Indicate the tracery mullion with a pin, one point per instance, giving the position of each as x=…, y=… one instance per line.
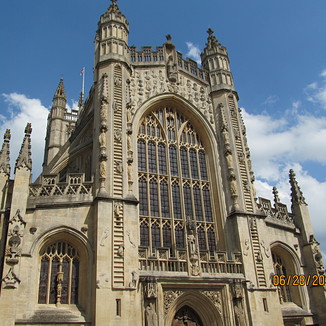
x=49, y=281
x=70, y=280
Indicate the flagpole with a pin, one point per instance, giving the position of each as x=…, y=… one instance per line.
x=83, y=82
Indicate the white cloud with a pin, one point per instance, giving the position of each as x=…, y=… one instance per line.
x=271, y=100
x=276, y=141
x=22, y=110
x=193, y=52
x=323, y=73
x=316, y=92
x=276, y=147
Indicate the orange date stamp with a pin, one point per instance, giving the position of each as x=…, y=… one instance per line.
x=298, y=280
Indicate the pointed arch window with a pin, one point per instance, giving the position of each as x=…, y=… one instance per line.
x=59, y=274
x=174, y=183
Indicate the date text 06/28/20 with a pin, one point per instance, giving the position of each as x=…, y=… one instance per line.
x=298, y=280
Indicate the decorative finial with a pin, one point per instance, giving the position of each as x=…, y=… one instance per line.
x=211, y=40
x=168, y=37
x=5, y=154
x=24, y=159
x=114, y=7
x=296, y=193
x=276, y=197
x=210, y=32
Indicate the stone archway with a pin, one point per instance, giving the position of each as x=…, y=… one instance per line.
x=194, y=308
x=186, y=316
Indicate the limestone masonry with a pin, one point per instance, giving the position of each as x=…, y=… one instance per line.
x=145, y=212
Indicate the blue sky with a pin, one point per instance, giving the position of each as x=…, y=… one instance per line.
x=277, y=51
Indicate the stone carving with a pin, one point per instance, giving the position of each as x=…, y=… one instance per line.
x=103, y=169
x=24, y=159
x=296, y=193
x=84, y=229
x=151, y=316
x=15, y=234
x=156, y=83
x=120, y=251
x=119, y=166
x=115, y=107
x=102, y=140
x=194, y=267
x=169, y=297
x=237, y=290
x=246, y=249
x=117, y=81
x=5, y=154
x=239, y=313
x=104, y=111
x=134, y=279
x=117, y=209
x=265, y=248
x=240, y=317
x=59, y=286
x=129, y=237
x=192, y=244
x=117, y=135
x=104, y=237
x=150, y=288
x=216, y=298
x=317, y=255
x=11, y=280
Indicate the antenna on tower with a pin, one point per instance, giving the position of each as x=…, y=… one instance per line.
x=81, y=98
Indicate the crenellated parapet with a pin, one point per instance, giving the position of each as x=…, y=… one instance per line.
x=74, y=188
x=277, y=213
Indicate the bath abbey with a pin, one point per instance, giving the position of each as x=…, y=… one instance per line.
x=145, y=212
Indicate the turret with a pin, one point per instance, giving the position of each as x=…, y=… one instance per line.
x=215, y=59
x=300, y=209
x=55, y=136
x=111, y=41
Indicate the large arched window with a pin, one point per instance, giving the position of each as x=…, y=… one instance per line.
x=174, y=183
x=59, y=274
x=285, y=265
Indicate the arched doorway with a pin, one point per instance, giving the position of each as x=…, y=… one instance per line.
x=186, y=316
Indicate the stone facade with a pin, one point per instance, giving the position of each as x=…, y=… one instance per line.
x=146, y=211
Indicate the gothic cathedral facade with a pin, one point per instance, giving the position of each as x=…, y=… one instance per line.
x=145, y=212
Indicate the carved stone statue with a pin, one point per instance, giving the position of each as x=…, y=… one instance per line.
x=240, y=317
x=172, y=69
x=102, y=139
x=151, y=316
x=192, y=244
x=103, y=169
x=233, y=185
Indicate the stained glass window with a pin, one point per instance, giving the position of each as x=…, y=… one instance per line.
x=59, y=274
x=174, y=183
x=144, y=237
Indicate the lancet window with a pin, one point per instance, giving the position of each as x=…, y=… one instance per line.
x=59, y=274
x=174, y=183
x=280, y=270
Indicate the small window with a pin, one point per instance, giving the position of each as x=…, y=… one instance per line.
x=59, y=274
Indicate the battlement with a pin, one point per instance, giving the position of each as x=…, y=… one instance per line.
x=74, y=186
x=147, y=56
x=277, y=213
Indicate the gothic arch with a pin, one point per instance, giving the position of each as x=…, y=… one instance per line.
x=198, y=302
x=286, y=261
x=208, y=138
x=80, y=243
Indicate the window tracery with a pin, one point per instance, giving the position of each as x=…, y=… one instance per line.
x=174, y=184
x=280, y=269
x=59, y=274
